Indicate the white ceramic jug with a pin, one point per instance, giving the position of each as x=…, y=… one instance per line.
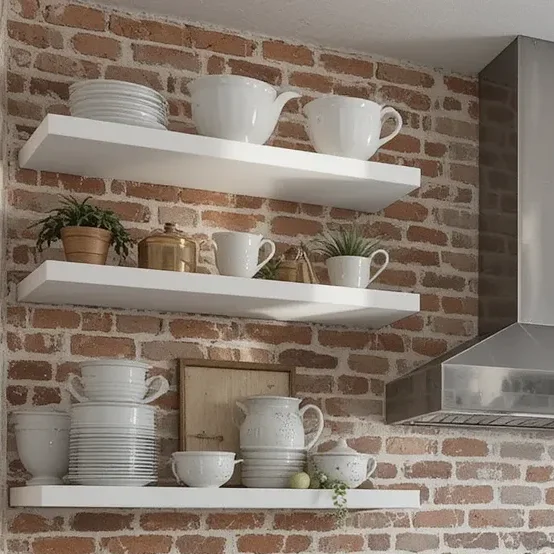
x=349, y=127
x=236, y=108
x=276, y=421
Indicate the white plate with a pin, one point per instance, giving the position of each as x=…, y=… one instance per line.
x=92, y=111
x=109, y=97
x=114, y=85
x=100, y=482
x=94, y=431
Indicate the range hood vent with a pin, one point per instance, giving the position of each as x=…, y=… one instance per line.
x=505, y=377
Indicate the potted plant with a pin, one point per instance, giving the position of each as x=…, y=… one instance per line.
x=348, y=256
x=86, y=231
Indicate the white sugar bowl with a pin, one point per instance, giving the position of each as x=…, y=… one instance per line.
x=206, y=469
x=343, y=463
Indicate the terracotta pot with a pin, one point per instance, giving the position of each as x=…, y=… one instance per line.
x=86, y=245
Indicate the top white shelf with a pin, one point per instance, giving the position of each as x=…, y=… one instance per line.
x=91, y=148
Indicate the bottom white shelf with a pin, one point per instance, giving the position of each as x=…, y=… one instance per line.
x=61, y=496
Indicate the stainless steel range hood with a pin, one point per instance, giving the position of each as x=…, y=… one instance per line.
x=505, y=377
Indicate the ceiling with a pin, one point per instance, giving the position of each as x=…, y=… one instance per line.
x=460, y=35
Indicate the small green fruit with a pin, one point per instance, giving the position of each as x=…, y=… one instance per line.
x=300, y=481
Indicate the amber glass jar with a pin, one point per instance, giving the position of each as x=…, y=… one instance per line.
x=169, y=249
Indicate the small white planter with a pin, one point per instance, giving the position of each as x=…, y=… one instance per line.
x=354, y=271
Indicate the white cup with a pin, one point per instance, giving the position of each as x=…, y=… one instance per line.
x=116, y=381
x=349, y=127
x=354, y=271
x=42, y=439
x=236, y=254
x=203, y=469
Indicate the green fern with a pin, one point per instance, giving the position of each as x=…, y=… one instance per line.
x=344, y=242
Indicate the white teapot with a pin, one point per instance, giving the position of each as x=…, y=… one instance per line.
x=343, y=463
x=236, y=108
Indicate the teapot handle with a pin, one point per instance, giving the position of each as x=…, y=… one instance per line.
x=320, y=423
x=371, y=467
x=162, y=388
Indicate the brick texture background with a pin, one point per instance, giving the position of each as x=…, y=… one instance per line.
x=481, y=490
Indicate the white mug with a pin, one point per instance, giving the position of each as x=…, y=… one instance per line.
x=354, y=271
x=349, y=127
x=236, y=254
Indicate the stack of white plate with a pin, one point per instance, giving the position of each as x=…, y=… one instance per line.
x=118, y=102
x=112, y=443
x=272, y=468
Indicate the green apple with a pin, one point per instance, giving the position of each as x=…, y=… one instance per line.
x=300, y=481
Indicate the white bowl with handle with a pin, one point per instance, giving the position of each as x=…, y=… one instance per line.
x=208, y=469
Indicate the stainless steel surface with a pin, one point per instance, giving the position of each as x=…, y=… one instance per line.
x=506, y=376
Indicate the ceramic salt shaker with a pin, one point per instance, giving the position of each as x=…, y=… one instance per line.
x=345, y=464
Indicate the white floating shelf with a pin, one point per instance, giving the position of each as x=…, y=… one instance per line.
x=62, y=496
x=111, y=150
x=56, y=282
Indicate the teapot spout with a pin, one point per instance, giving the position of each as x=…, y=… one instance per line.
x=280, y=102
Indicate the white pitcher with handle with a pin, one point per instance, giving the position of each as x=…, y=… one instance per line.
x=276, y=422
x=349, y=127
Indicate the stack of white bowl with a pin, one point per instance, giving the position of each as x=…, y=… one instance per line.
x=118, y=102
x=112, y=440
x=270, y=467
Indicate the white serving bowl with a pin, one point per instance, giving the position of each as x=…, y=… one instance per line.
x=112, y=414
x=44, y=453
x=40, y=419
x=203, y=469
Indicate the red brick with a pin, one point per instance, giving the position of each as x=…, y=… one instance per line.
x=53, y=89
x=16, y=395
x=223, y=43
x=38, y=36
x=265, y=73
x=70, y=67
x=46, y=396
x=193, y=328
x=134, y=75
x=541, y=518
x=198, y=544
x=138, y=324
x=335, y=63
x=343, y=339
x=64, y=545
x=231, y=221
x=452, y=104
x=495, y=518
x=417, y=542
x=461, y=86
x=93, y=521
x=353, y=407
x=25, y=109
x=410, y=98
x=404, y=143
x=429, y=347
x=485, y=541
x=285, y=52
x=278, y=334
x=75, y=16
x=168, y=57
x=34, y=523
x=462, y=494
x=407, y=211
x=93, y=321
x=368, y=363
x=304, y=521
x=456, y=128
x=27, y=9
x=449, y=282
x=341, y=543
x=404, y=76
x=97, y=46
x=454, y=305
x=49, y=318
x=539, y=474
x=153, y=31
x=296, y=543
x=127, y=211
x=169, y=521
x=311, y=81
x=163, y=350
x=137, y=544
x=294, y=226
x=428, y=470
x=260, y=544
x=239, y=520
x=306, y=358
x=439, y=518
x=350, y=384
x=96, y=346
x=26, y=369
x=381, y=520
x=435, y=149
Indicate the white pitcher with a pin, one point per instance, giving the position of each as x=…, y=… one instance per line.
x=349, y=127
x=236, y=108
x=276, y=421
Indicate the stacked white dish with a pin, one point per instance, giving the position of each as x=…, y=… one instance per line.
x=271, y=467
x=113, y=442
x=118, y=102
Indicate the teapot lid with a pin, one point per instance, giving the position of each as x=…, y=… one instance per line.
x=342, y=449
x=169, y=234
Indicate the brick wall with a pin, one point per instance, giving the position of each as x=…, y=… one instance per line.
x=481, y=490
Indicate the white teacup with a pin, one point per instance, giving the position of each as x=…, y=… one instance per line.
x=116, y=381
x=236, y=254
x=42, y=439
x=354, y=271
x=203, y=469
x=349, y=127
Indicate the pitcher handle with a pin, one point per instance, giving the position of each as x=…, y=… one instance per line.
x=162, y=388
x=383, y=266
x=371, y=467
x=244, y=411
x=320, y=424
x=271, y=253
x=385, y=114
x=79, y=397
x=174, y=471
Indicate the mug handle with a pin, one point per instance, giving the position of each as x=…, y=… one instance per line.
x=387, y=112
x=162, y=389
x=319, y=424
x=238, y=462
x=371, y=467
x=271, y=253
x=383, y=266
x=174, y=471
x=79, y=397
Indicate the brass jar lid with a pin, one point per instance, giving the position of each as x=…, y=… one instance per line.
x=169, y=235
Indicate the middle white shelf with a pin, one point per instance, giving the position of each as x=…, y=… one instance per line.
x=60, y=283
